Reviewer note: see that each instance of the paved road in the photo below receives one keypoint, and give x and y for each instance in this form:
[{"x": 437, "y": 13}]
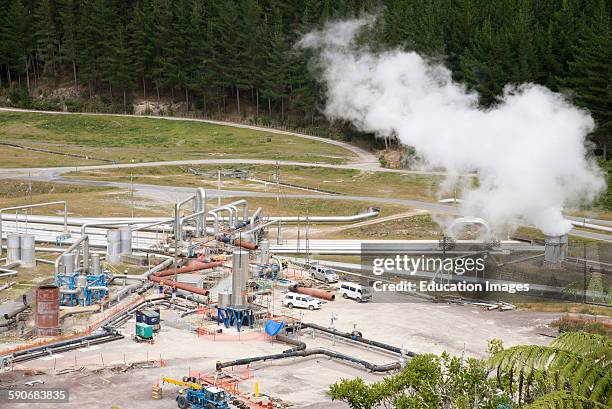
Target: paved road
[{"x": 169, "y": 194}]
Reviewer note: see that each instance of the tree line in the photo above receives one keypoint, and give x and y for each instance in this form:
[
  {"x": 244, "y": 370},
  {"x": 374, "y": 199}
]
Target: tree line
[{"x": 214, "y": 55}]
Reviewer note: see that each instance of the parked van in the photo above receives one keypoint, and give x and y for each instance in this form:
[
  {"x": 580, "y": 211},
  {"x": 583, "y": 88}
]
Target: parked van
[
  {"x": 323, "y": 274},
  {"x": 355, "y": 291},
  {"x": 301, "y": 301}
]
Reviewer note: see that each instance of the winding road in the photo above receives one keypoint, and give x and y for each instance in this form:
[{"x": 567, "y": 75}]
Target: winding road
[{"x": 363, "y": 161}]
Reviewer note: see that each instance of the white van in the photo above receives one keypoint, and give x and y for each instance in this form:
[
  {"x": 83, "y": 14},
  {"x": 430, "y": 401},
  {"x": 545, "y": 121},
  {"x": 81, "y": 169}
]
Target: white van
[
  {"x": 301, "y": 301},
  {"x": 355, "y": 291}
]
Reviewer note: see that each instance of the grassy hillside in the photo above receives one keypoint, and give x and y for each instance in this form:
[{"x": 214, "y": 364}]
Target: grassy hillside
[{"x": 125, "y": 139}]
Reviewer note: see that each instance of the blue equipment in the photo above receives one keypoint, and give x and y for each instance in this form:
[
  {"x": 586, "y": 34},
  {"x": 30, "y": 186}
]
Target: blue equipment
[
  {"x": 208, "y": 397},
  {"x": 78, "y": 289},
  {"x": 231, "y": 316}
]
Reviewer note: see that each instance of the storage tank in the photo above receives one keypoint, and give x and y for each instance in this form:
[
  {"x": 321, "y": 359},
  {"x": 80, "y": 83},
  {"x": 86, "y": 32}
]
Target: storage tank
[
  {"x": 555, "y": 250},
  {"x": 126, "y": 240},
  {"x": 13, "y": 245},
  {"x": 225, "y": 299},
  {"x": 28, "y": 254},
  {"x": 68, "y": 260},
  {"x": 113, "y": 246},
  {"x": 96, "y": 266},
  {"x": 240, "y": 277},
  {"x": 47, "y": 311}
]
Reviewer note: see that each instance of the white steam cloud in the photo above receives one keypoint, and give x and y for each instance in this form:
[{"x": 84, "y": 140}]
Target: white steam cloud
[{"x": 529, "y": 150}]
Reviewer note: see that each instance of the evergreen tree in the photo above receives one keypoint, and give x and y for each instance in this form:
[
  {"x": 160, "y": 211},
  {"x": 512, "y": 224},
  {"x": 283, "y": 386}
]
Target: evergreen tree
[
  {"x": 93, "y": 41},
  {"x": 18, "y": 41},
  {"x": 118, "y": 63},
  {"x": 590, "y": 75},
  {"x": 142, "y": 42},
  {"x": 207, "y": 51},
  {"x": 275, "y": 73},
  {"x": 68, "y": 15}
]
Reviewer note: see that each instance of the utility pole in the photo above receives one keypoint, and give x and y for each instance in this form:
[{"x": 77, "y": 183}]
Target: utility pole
[
  {"x": 298, "y": 235},
  {"x": 277, "y": 177},
  {"x": 307, "y": 241},
  {"x": 30, "y": 188},
  {"x": 132, "y": 188},
  {"x": 584, "y": 272},
  {"x": 132, "y": 191},
  {"x": 218, "y": 187}
]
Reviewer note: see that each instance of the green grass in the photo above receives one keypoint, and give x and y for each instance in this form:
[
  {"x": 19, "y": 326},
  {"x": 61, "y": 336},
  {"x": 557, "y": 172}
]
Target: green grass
[
  {"x": 418, "y": 227},
  {"x": 82, "y": 200},
  {"x": 344, "y": 181},
  {"x": 143, "y": 139}
]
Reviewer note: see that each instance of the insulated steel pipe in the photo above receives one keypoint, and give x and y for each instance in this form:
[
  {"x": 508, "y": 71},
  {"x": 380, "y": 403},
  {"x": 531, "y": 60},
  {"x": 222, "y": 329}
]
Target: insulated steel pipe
[
  {"x": 227, "y": 208},
  {"x": 17, "y": 309},
  {"x": 245, "y": 209},
  {"x": 215, "y": 222},
  {"x": 261, "y": 226},
  {"x": 189, "y": 268},
  {"x": 30, "y": 207},
  {"x": 235, "y": 212},
  {"x": 255, "y": 216},
  {"x": 201, "y": 199},
  {"x": 199, "y": 206},
  {"x": 85, "y": 241}
]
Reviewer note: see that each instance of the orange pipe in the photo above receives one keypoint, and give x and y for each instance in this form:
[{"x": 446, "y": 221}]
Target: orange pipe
[
  {"x": 245, "y": 244},
  {"x": 181, "y": 286},
  {"x": 322, "y": 294}
]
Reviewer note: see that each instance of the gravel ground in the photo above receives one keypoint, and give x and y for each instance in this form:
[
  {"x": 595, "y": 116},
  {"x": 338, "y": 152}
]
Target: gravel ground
[{"x": 420, "y": 327}]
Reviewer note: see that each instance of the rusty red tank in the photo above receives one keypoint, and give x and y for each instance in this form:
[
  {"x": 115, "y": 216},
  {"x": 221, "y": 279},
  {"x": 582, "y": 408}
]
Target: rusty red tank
[{"x": 47, "y": 311}]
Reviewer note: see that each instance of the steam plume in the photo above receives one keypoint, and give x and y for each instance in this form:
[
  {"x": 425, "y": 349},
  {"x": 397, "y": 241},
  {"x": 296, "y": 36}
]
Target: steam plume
[{"x": 528, "y": 150}]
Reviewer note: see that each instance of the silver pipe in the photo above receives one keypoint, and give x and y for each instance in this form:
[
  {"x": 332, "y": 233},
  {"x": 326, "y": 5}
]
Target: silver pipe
[
  {"x": 82, "y": 239},
  {"x": 261, "y": 226},
  {"x": 7, "y": 273},
  {"x": 590, "y": 226},
  {"x": 17, "y": 309},
  {"x": 215, "y": 212},
  {"x": 245, "y": 209},
  {"x": 216, "y": 222},
  {"x": 85, "y": 226},
  {"x": 30, "y": 207},
  {"x": 202, "y": 199},
  {"x": 147, "y": 226},
  {"x": 254, "y": 217},
  {"x": 177, "y": 213},
  {"x": 235, "y": 210},
  {"x": 231, "y": 222}
]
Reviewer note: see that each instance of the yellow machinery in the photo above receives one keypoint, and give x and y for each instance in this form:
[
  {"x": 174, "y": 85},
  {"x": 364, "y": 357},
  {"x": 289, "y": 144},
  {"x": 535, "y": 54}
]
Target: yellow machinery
[{"x": 182, "y": 383}]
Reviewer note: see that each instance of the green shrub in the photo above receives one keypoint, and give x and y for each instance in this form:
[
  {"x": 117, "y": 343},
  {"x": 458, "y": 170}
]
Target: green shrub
[
  {"x": 577, "y": 324},
  {"x": 20, "y": 97}
]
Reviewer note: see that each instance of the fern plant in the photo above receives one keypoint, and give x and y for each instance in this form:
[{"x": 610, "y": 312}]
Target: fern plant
[{"x": 572, "y": 372}]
